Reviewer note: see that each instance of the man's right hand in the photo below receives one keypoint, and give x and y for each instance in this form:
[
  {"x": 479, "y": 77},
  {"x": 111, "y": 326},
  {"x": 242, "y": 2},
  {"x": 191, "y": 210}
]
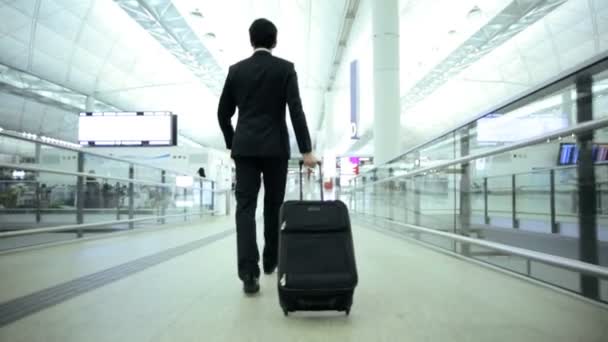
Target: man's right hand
[{"x": 310, "y": 160}]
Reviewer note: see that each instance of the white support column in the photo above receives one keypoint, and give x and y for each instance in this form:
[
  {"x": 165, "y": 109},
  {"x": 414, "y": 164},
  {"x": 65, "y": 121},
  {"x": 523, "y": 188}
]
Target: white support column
[
  {"x": 90, "y": 104},
  {"x": 385, "y": 29}
]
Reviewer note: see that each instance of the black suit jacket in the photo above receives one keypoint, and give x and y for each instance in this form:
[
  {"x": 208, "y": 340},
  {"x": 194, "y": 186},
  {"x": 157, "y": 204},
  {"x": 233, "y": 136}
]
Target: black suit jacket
[{"x": 261, "y": 86}]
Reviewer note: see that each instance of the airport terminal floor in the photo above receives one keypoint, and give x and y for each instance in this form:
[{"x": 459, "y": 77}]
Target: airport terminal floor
[{"x": 178, "y": 283}]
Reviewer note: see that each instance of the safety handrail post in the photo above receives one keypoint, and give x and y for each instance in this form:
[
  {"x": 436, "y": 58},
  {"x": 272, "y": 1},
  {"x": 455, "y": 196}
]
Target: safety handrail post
[
  {"x": 80, "y": 193},
  {"x": 514, "y": 219},
  {"x": 486, "y": 216},
  {"x": 554, "y": 224},
  {"x": 131, "y": 196}
]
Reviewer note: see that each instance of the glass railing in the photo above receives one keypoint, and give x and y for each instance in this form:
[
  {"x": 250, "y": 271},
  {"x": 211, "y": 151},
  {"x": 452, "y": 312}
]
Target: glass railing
[
  {"x": 51, "y": 193},
  {"x": 532, "y": 175}
]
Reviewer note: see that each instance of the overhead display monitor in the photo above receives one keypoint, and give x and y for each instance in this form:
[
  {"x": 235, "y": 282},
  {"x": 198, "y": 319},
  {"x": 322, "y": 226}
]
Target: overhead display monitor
[
  {"x": 105, "y": 129},
  {"x": 569, "y": 153}
]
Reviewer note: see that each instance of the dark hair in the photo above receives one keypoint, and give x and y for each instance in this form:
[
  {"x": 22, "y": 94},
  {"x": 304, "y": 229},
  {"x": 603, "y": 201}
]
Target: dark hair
[{"x": 263, "y": 34}]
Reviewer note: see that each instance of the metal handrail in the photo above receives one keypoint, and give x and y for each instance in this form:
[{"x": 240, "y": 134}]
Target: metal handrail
[
  {"x": 500, "y": 190},
  {"x": 580, "y": 128},
  {"x": 98, "y": 155},
  {"x": 502, "y": 212},
  {"x": 550, "y": 259},
  {"x": 86, "y": 225},
  {"x": 87, "y": 175},
  {"x": 543, "y": 170}
]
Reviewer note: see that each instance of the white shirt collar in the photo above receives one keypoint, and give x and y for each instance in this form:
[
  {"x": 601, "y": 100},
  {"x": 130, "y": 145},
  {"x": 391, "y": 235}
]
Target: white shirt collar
[{"x": 263, "y": 49}]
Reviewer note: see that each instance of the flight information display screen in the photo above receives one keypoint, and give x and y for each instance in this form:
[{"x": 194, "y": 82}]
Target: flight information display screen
[
  {"x": 127, "y": 129},
  {"x": 569, "y": 153}
]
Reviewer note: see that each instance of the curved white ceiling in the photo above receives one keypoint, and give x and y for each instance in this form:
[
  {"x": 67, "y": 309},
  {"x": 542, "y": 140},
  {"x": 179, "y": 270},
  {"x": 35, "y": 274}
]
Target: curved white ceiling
[
  {"x": 95, "y": 48},
  {"x": 568, "y": 36}
]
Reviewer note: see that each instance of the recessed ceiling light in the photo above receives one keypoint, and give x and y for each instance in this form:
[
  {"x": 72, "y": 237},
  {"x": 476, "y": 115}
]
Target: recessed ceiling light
[
  {"x": 197, "y": 13},
  {"x": 452, "y": 32},
  {"x": 210, "y": 35},
  {"x": 474, "y": 13}
]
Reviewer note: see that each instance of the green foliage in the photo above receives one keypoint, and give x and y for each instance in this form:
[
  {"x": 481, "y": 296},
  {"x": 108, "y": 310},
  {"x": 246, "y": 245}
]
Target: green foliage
[{"x": 8, "y": 199}]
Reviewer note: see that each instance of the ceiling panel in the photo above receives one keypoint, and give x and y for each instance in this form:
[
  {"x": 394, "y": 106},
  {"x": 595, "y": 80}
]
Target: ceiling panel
[
  {"x": 533, "y": 34},
  {"x": 23, "y": 34},
  {"x": 49, "y": 8},
  {"x": 11, "y": 48},
  {"x": 132, "y": 82},
  {"x": 483, "y": 72},
  {"x": 87, "y": 61},
  {"x": 122, "y": 58},
  {"x": 49, "y": 68},
  {"x": 79, "y": 8},
  {"x": 53, "y": 44},
  {"x": 18, "y": 59},
  {"x": 538, "y": 51},
  {"x": 97, "y": 18},
  {"x": 64, "y": 23},
  {"x": 543, "y": 70},
  {"x": 568, "y": 40},
  {"x": 599, "y": 4},
  {"x": 83, "y": 81},
  {"x": 113, "y": 79},
  {"x": 515, "y": 71},
  {"x": 603, "y": 42},
  {"x": 602, "y": 21},
  {"x": 12, "y": 19},
  {"x": 27, "y": 7},
  {"x": 579, "y": 53},
  {"x": 95, "y": 42},
  {"x": 568, "y": 15}
]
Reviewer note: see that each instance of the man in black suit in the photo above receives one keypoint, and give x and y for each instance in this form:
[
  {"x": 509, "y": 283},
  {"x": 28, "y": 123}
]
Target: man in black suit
[{"x": 261, "y": 86}]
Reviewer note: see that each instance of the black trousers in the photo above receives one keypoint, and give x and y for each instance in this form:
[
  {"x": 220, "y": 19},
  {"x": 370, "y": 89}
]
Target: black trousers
[{"x": 248, "y": 171}]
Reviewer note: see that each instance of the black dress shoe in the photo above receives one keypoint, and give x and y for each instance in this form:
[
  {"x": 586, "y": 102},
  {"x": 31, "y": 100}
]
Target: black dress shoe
[
  {"x": 251, "y": 285},
  {"x": 269, "y": 268}
]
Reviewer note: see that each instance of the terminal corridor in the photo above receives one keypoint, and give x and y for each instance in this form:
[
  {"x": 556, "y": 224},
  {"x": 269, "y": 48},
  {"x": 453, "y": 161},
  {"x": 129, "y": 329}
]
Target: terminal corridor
[{"x": 467, "y": 141}]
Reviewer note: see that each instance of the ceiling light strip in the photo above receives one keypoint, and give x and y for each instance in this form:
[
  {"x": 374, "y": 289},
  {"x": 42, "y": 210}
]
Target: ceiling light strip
[
  {"x": 352, "y": 6},
  {"x": 23, "y": 84}
]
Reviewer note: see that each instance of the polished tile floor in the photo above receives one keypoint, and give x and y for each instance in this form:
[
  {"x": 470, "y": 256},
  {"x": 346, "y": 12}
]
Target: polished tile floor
[{"x": 406, "y": 293}]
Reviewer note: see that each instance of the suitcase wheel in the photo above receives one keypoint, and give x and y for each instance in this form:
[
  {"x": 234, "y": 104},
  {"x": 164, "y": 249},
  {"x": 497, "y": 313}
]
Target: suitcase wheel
[
  {"x": 347, "y": 311},
  {"x": 285, "y": 312}
]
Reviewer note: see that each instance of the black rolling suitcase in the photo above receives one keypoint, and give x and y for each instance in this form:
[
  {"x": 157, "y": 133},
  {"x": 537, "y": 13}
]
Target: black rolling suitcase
[{"x": 317, "y": 269}]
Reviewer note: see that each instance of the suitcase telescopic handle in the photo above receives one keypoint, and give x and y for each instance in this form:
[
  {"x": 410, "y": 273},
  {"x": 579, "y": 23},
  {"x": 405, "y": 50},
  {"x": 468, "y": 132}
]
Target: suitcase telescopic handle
[{"x": 320, "y": 180}]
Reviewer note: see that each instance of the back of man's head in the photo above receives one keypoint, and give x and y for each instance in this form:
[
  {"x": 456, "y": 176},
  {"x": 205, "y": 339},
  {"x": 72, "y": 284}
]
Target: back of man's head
[{"x": 263, "y": 34}]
